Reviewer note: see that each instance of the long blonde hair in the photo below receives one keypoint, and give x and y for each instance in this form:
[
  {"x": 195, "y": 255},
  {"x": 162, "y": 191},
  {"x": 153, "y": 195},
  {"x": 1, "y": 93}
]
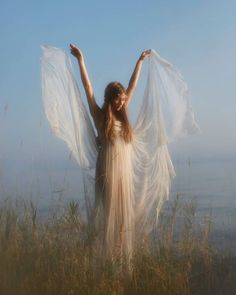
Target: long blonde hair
[{"x": 112, "y": 91}]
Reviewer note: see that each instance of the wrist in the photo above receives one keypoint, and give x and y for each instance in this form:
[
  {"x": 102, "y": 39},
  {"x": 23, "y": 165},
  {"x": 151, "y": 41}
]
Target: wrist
[
  {"x": 79, "y": 58},
  {"x": 141, "y": 58}
]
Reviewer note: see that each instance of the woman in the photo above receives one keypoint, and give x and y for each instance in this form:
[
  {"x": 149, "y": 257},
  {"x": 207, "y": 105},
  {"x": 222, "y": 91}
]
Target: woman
[
  {"x": 130, "y": 169},
  {"x": 114, "y": 169}
]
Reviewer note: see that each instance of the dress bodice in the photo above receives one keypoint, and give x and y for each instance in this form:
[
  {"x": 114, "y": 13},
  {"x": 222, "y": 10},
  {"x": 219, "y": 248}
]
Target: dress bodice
[
  {"x": 101, "y": 132},
  {"x": 117, "y": 126}
]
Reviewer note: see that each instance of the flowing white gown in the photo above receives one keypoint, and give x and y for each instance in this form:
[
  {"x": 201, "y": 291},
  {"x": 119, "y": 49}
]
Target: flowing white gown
[
  {"x": 114, "y": 194},
  {"x": 126, "y": 184}
]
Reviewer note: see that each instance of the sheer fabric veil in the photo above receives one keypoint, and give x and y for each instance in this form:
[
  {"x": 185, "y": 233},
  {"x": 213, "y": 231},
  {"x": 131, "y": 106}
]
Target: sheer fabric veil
[{"x": 165, "y": 115}]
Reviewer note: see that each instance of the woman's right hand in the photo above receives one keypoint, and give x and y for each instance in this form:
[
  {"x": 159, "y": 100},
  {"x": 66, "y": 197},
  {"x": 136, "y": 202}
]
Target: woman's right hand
[{"x": 76, "y": 51}]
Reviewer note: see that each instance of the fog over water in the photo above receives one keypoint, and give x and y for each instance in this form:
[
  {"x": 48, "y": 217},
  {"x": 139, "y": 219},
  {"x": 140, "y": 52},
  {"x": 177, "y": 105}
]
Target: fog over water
[
  {"x": 211, "y": 183},
  {"x": 53, "y": 182}
]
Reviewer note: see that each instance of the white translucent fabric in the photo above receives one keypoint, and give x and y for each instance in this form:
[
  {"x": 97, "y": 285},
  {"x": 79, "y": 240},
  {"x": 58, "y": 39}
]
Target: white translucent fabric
[
  {"x": 165, "y": 115},
  {"x": 140, "y": 176},
  {"x": 68, "y": 116}
]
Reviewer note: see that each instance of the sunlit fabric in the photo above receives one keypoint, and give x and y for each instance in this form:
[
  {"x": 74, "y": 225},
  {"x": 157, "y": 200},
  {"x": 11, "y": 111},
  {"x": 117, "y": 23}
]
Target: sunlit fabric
[{"x": 125, "y": 184}]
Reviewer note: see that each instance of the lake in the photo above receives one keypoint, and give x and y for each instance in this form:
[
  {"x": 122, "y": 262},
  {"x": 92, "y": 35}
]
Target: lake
[{"x": 211, "y": 184}]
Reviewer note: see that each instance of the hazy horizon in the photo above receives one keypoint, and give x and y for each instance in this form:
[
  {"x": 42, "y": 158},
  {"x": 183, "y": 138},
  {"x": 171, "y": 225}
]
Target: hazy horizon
[{"x": 197, "y": 37}]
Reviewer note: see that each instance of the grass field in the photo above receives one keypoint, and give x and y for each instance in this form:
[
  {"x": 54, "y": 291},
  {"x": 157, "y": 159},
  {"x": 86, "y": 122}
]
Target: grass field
[{"x": 58, "y": 255}]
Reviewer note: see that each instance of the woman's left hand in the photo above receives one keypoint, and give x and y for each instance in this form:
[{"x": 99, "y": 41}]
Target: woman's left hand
[{"x": 145, "y": 54}]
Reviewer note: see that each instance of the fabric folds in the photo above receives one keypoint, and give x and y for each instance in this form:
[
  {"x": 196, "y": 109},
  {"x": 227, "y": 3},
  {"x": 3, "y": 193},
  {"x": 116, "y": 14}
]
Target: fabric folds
[{"x": 128, "y": 183}]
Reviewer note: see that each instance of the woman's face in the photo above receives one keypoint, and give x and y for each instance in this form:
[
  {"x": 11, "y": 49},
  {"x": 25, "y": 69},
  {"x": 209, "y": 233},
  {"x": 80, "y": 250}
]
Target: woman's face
[{"x": 118, "y": 102}]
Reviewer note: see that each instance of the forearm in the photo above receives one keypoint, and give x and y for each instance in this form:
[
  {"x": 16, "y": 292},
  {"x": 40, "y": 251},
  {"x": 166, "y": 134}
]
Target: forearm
[
  {"x": 85, "y": 78},
  {"x": 136, "y": 73},
  {"x": 94, "y": 110},
  {"x": 134, "y": 79}
]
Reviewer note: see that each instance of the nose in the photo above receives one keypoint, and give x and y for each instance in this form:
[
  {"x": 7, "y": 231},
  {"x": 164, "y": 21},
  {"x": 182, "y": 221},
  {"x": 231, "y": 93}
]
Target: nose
[{"x": 122, "y": 101}]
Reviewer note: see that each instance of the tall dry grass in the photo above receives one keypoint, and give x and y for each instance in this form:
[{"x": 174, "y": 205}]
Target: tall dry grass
[{"x": 58, "y": 255}]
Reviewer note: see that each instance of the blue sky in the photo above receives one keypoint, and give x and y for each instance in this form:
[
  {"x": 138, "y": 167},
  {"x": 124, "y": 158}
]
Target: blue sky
[{"x": 199, "y": 37}]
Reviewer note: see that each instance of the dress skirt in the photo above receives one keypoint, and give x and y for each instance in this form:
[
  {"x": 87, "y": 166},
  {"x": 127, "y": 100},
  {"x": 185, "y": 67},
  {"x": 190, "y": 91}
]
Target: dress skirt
[{"x": 114, "y": 197}]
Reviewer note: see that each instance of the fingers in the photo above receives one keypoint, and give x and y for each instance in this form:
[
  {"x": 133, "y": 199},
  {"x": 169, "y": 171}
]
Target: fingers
[
  {"x": 73, "y": 50},
  {"x": 76, "y": 51},
  {"x": 147, "y": 53},
  {"x": 72, "y": 46}
]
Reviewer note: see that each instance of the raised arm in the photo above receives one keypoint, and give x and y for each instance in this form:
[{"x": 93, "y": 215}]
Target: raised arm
[
  {"x": 135, "y": 76},
  {"x": 93, "y": 107}
]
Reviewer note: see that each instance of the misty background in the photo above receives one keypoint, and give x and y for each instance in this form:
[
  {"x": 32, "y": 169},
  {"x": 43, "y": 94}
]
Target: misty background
[{"x": 198, "y": 37}]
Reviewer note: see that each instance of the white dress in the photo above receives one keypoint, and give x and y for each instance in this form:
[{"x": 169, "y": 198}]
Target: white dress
[
  {"x": 128, "y": 183},
  {"x": 114, "y": 194}
]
